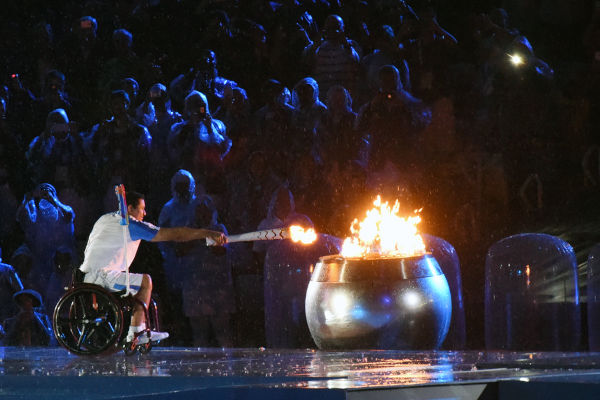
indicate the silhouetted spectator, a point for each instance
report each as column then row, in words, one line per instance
column 235, row 114
column 208, row 296
column 335, row 61
column 307, row 115
column 48, row 227
column 429, row 52
column 393, row 119
column 273, row 119
column 386, row 51
column 57, row 154
column 156, row 114
column 287, row 272
column 338, row 140
column 252, row 50
column 30, row 327
column 203, row 77
column 12, row 174
column 217, row 35
column 287, row 41
column 281, row 206
column 178, row 211
column 10, row 283
column 200, row 143
column 121, row 147
column 82, row 55
column 132, row 88
column 53, row 96
column 43, row 51
column 123, row 63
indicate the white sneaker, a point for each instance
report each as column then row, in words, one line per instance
column 155, row 336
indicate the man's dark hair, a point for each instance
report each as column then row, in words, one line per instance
column 120, row 94
column 133, row 198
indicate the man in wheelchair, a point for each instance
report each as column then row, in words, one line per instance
column 104, row 257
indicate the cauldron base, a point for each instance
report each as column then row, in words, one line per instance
column 391, row 303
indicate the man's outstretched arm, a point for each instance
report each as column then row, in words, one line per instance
column 183, row 234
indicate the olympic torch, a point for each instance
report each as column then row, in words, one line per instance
column 296, row 233
column 120, row 192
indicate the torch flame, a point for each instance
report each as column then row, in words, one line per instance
column 299, row 234
column 384, row 234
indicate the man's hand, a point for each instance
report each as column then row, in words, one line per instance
column 219, row 238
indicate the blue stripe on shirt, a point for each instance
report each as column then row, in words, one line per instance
column 142, row 230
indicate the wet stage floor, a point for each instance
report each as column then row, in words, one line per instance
column 191, row 373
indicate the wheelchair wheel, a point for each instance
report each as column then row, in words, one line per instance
column 88, row 320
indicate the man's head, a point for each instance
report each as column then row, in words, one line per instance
column 54, row 82
column 196, row 106
column 28, row 299
column 205, row 211
column 130, row 86
column 307, row 92
column 207, row 64
column 136, row 205
column 87, row 28
column 272, row 90
column 389, row 79
column 333, row 29
column 45, row 191
column 284, row 203
column 57, row 123
column 119, row 103
column 183, row 185
column 122, row 41
column 239, row 100
column 338, row 98
column 157, row 94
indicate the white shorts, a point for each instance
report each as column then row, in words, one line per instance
column 115, row 281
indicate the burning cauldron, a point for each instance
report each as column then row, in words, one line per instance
column 378, row 303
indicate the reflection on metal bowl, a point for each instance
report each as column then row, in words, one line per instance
column 378, row 303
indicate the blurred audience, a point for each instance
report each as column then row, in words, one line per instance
column 451, row 108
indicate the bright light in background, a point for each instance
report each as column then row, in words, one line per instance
column 516, row 59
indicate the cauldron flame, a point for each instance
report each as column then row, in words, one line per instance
column 383, row 233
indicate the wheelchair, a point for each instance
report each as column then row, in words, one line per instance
column 90, row 320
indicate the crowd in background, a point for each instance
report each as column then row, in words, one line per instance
column 237, row 115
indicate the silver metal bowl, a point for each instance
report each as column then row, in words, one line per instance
column 378, row 303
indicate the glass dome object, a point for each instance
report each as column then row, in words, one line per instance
column 531, row 294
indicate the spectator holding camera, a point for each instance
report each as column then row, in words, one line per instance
column 57, row 154
column 48, row 227
column 199, row 144
column 203, row 77
column 156, row 114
